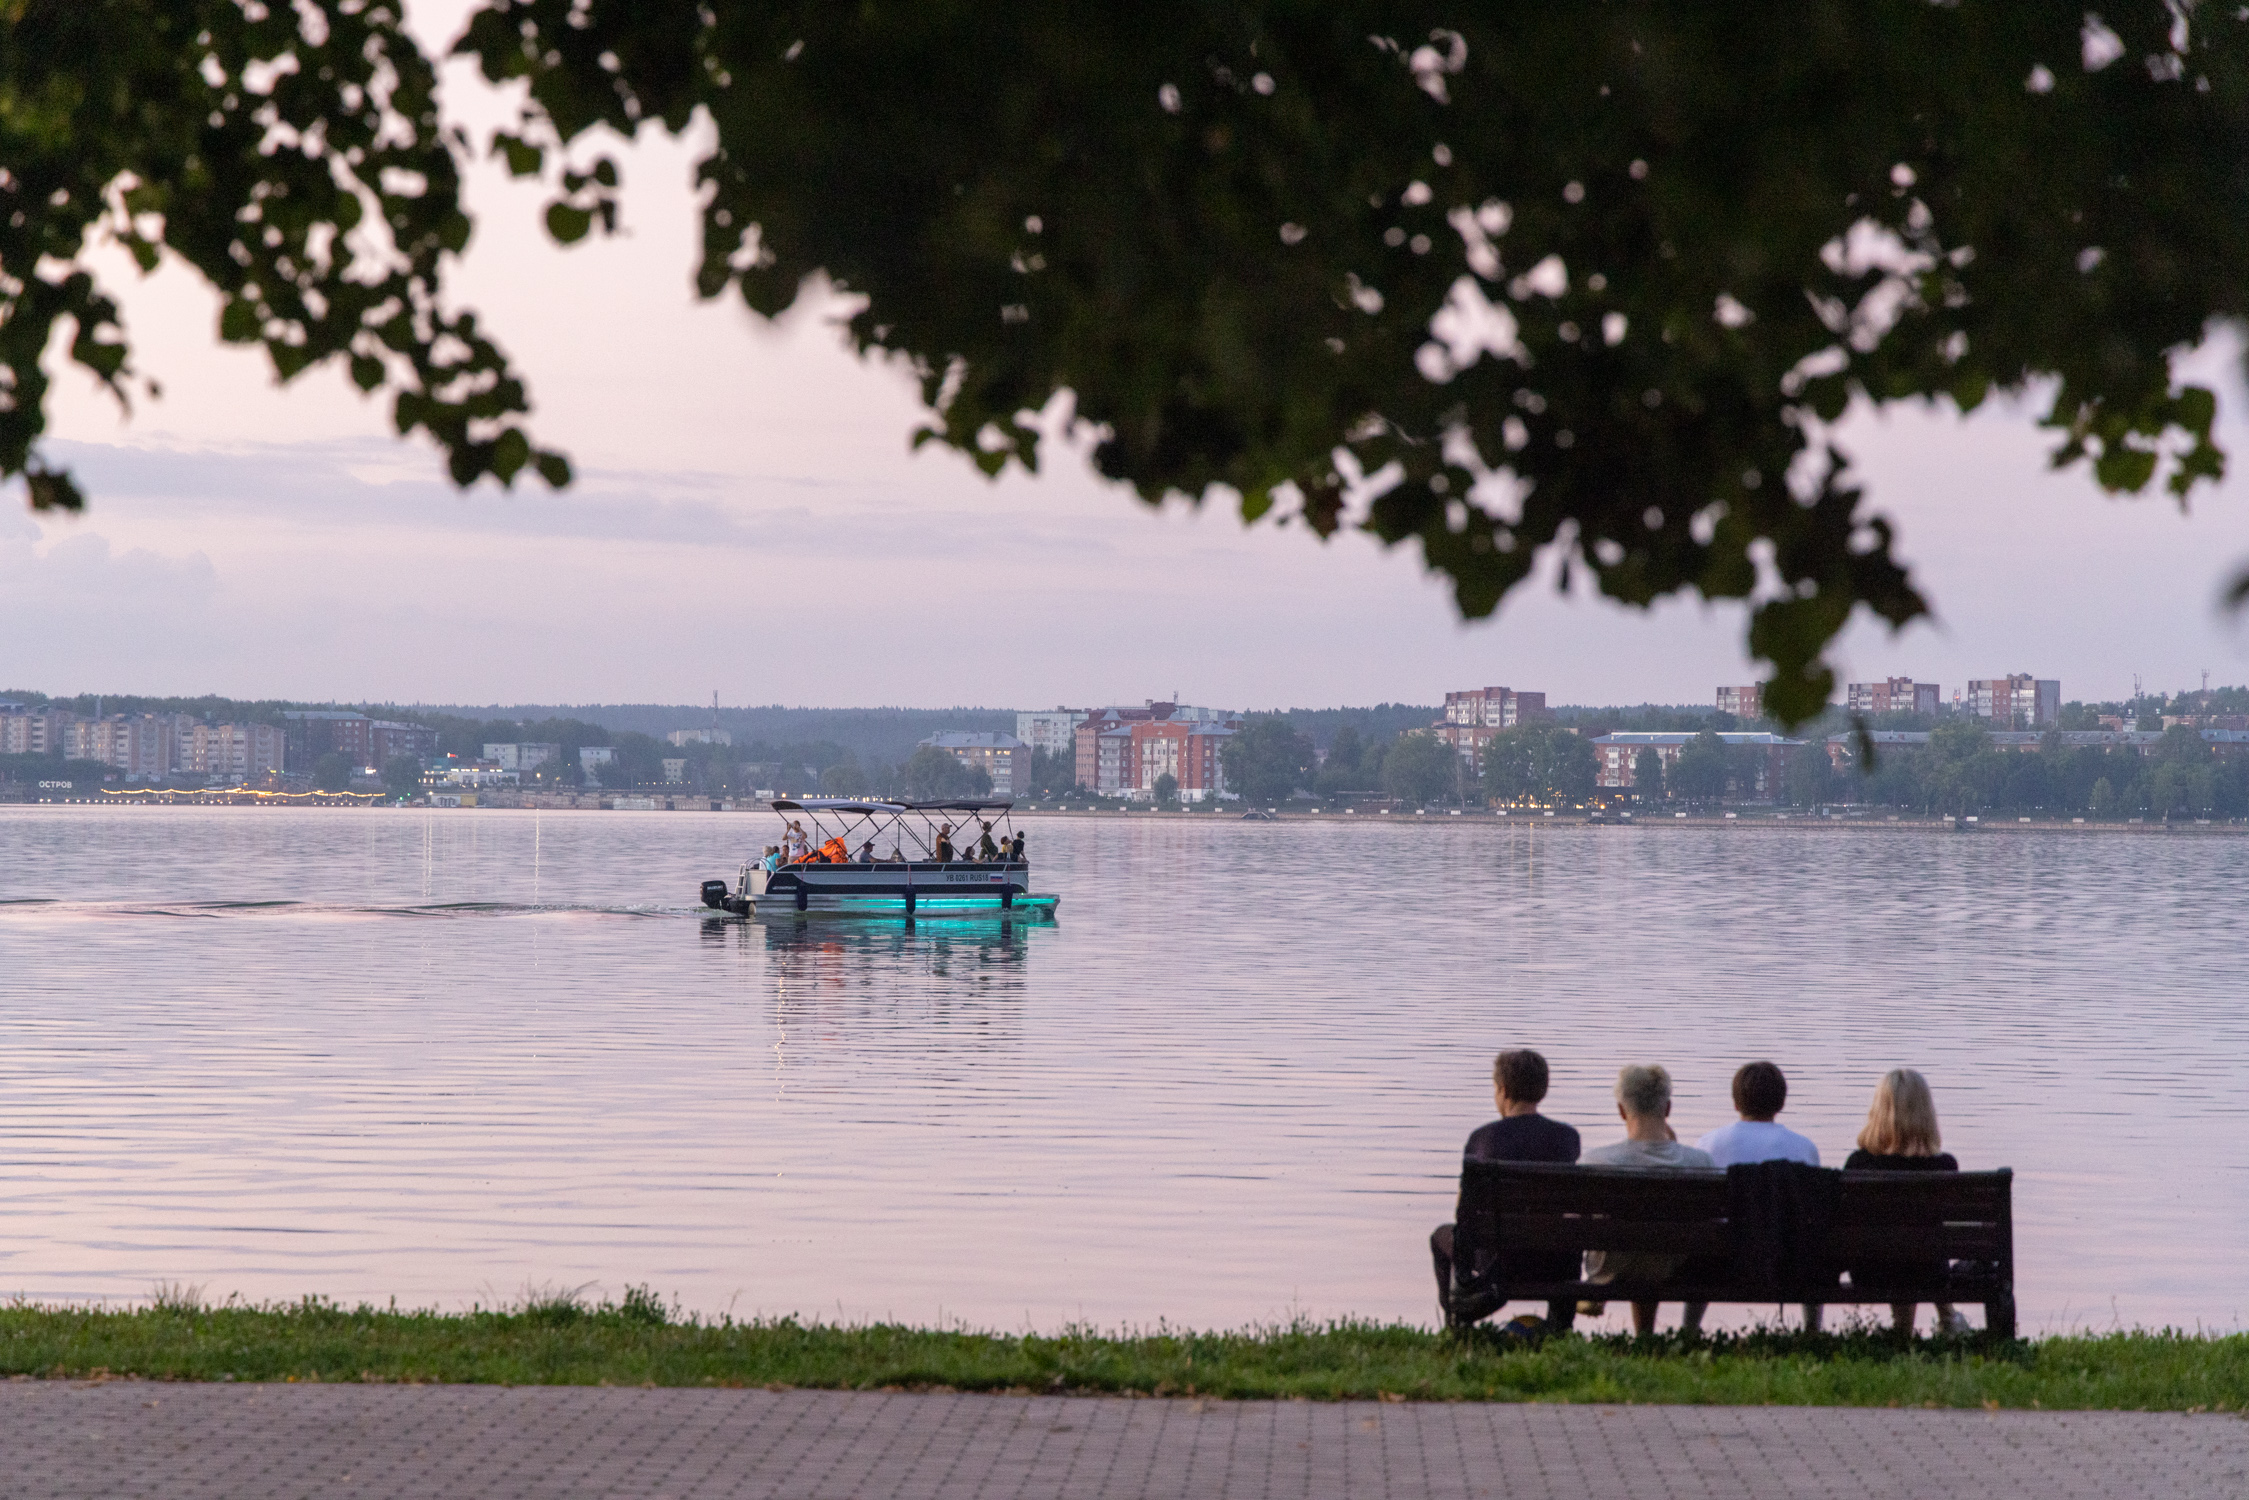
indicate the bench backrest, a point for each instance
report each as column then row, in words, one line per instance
column 1522, row 1207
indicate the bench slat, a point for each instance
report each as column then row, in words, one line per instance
column 1563, row 1232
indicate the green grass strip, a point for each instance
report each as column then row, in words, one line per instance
column 560, row 1341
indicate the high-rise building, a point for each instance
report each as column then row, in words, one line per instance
column 386, row 740
column 1742, row 702
column 1190, row 751
column 140, row 745
column 316, row 732
column 33, row 731
column 228, row 752
column 1055, row 731
column 1896, row 695
column 1475, row 716
column 1100, row 765
column 2019, row 701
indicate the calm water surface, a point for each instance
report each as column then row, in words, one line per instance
column 450, row 1056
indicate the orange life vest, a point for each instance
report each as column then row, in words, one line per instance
column 836, row 852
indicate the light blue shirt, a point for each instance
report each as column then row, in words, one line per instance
column 1758, row 1140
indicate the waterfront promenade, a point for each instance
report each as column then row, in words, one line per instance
column 248, row 1442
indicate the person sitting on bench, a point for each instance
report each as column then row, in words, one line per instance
column 1760, row 1090
column 1643, row 1102
column 1520, row 1133
column 1901, row 1135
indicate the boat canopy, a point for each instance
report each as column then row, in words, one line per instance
column 859, row 805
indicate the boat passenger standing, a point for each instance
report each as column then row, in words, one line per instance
column 799, row 846
column 986, row 850
column 944, row 849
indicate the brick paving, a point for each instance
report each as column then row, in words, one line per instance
column 250, row 1442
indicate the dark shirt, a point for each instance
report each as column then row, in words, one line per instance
column 1863, row 1160
column 1523, row 1138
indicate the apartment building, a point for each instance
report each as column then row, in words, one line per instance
column 33, row 731
column 1055, row 731
column 1747, row 702
column 313, row 733
column 227, row 752
column 1762, row 757
column 1476, row 716
column 2014, row 702
column 1006, row 759
column 1895, row 695
column 143, row 746
column 1190, row 751
column 1102, row 762
column 387, row 739
column 522, row 759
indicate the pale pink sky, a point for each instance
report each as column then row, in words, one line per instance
column 748, row 518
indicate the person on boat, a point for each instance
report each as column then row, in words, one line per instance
column 944, row 849
column 986, row 850
column 1015, row 848
column 772, row 860
column 799, row 846
column 867, row 852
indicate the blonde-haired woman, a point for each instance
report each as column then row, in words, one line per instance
column 1901, row 1135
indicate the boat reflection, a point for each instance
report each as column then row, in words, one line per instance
column 936, row 958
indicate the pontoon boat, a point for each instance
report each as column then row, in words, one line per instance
column 883, row 858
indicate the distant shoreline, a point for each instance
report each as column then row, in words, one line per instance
column 1762, row 822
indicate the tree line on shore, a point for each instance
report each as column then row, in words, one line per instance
column 1959, row 772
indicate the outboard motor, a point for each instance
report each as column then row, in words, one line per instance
column 714, row 895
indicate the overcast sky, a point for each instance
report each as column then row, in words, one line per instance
column 749, row 519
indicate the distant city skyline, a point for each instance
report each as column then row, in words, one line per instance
column 749, row 518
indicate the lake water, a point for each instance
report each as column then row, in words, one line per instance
column 451, row 1056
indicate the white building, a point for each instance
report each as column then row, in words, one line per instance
column 1054, row 731
column 522, row 759
column 701, row 737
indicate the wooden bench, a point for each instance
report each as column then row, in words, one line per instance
column 1926, row 1236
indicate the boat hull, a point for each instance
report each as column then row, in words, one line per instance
column 901, row 890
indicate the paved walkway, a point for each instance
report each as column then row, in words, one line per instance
column 249, row 1442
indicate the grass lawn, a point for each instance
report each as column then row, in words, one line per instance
column 563, row 1342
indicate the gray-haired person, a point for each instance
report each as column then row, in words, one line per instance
column 1643, row 1102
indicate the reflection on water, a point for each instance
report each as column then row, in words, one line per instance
column 442, row 1056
